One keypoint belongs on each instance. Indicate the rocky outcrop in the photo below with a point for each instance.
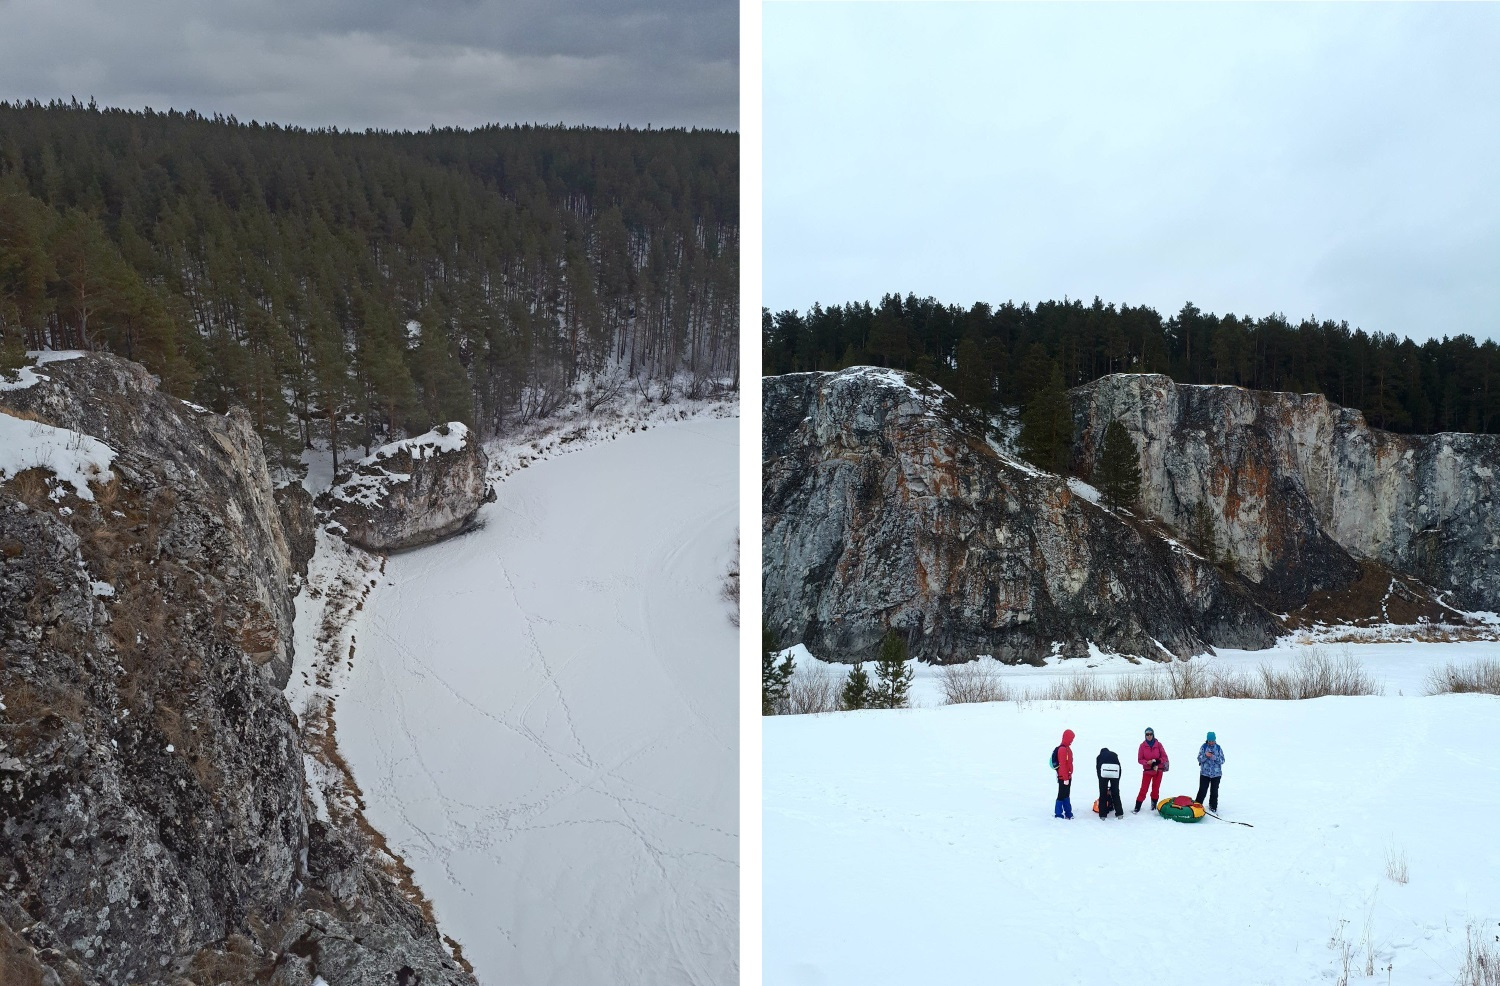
(154, 826)
(299, 522)
(411, 492)
(884, 507)
(1302, 493)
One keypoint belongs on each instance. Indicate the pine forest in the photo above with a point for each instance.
(991, 356)
(365, 284)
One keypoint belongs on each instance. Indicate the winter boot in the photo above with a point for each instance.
(1067, 808)
(1137, 808)
(1057, 808)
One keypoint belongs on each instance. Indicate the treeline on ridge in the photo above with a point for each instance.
(990, 356)
(370, 282)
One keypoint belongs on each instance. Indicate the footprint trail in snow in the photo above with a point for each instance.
(543, 717)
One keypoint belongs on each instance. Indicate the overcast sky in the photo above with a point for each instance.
(1339, 160)
(394, 64)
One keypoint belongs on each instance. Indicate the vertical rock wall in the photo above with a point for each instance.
(1296, 485)
(153, 825)
(884, 507)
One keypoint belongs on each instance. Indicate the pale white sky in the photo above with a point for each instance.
(1341, 160)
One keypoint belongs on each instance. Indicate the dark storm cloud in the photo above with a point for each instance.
(384, 63)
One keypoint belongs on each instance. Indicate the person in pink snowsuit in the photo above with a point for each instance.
(1152, 757)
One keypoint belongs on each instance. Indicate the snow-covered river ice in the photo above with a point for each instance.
(542, 717)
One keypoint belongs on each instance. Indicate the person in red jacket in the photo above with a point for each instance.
(1064, 754)
(1153, 760)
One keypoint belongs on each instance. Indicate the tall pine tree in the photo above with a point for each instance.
(857, 693)
(1047, 424)
(775, 677)
(1117, 471)
(892, 674)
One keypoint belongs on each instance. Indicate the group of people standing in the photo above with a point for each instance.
(1152, 756)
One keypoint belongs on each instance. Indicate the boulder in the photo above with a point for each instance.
(412, 492)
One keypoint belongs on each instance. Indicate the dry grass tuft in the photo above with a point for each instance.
(1483, 677)
(16, 412)
(30, 487)
(812, 691)
(1313, 675)
(1395, 865)
(974, 681)
(730, 590)
(1481, 958)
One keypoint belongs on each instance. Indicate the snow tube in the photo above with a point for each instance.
(1180, 809)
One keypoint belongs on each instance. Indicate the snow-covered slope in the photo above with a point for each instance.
(919, 846)
(542, 717)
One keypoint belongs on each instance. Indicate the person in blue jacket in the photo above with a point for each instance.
(1210, 769)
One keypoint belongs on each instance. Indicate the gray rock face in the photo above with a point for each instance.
(299, 521)
(884, 507)
(153, 824)
(412, 492)
(1300, 489)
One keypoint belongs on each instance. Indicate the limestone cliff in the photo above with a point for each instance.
(153, 820)
(1301, 490)
(412, 492)
(884, 506)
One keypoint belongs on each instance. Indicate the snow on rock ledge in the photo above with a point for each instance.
(412, 492)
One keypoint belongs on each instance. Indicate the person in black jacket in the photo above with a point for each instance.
(1109, 783)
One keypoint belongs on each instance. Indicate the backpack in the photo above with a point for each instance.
(1053, 762)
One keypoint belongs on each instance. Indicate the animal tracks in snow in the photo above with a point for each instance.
(542, 714)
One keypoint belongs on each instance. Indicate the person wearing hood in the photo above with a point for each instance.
(1210, 769)
(1107, 768)
(1152, 757)
(1064, 755)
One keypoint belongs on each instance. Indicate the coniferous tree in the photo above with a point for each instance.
(1204, 539)
(1117, 472)
(775, 677)
(893, 675)
(1449, 384)
(1047, 424)
(857, 693)
(972, 381)
(276, 268)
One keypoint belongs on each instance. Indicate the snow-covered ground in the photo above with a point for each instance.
(919, 845)
(1399, 666)
(73, 458)
(542, 714)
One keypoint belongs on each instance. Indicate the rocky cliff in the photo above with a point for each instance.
(1301, 491)
(884, 506)
(154, 826)
(412, 492)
